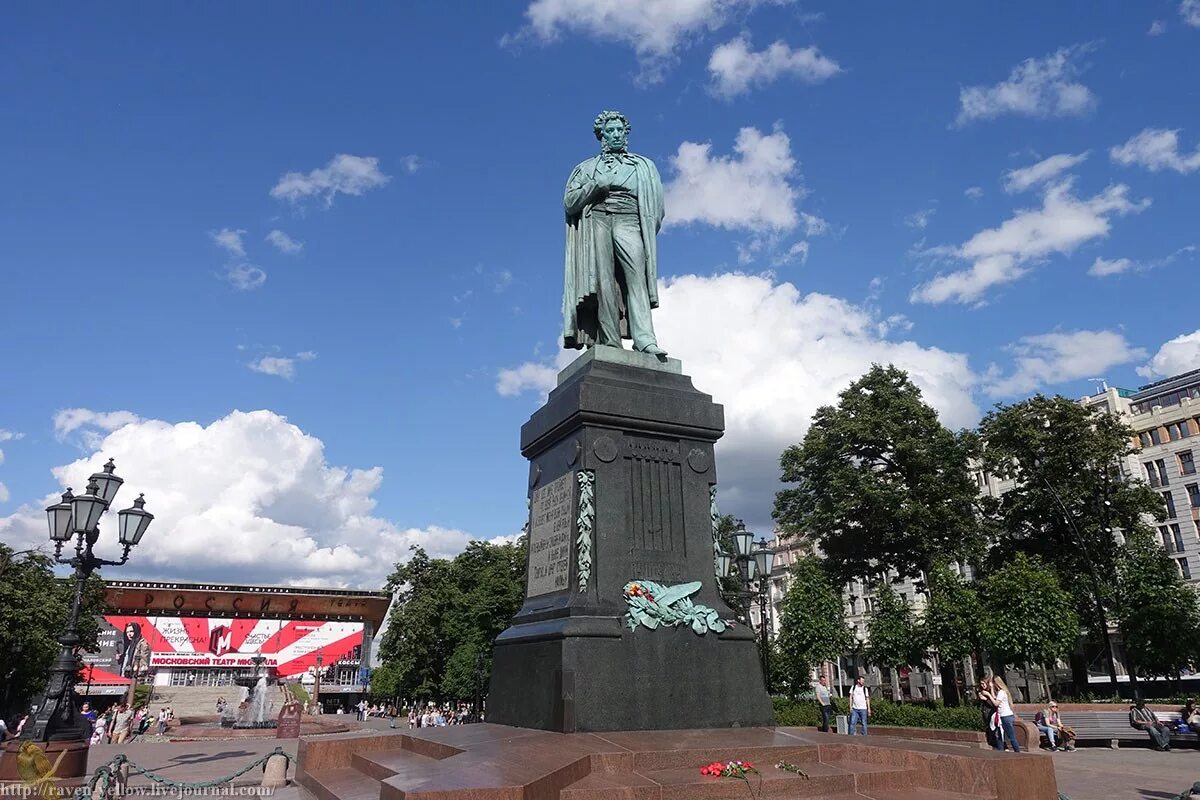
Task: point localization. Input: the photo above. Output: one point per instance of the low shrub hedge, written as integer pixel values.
(805, 713)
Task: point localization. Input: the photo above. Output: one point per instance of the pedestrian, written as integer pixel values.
(999, 697)
(1146, 720)
(87, 712)
(391, 712)
(825, 701)
(162, 721)
(20, 725)
(860, 705)
(991, 723)
(412, 718)
(121, 724)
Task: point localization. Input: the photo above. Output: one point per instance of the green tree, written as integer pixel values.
(812, 626)
(385, 683)
(880, 483)
(1157, 613)
(1029, 618)
(895, 638)
(34, 606)
(1069, 496)
(953, 624)
(446, 613)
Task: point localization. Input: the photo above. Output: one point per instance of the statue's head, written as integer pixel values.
(612, 129)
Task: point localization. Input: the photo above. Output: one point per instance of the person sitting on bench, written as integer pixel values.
(1144, 719)
(1049, 723)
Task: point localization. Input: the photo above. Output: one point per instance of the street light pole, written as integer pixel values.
(78, 517)
(753, 566)
(317, 685)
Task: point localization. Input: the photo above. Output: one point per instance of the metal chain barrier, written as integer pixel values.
(112, 771)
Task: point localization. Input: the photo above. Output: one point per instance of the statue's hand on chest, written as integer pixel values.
(613, 174)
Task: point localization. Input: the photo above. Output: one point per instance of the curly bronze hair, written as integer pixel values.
(607, 116)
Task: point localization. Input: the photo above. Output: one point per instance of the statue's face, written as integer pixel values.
(614, 136)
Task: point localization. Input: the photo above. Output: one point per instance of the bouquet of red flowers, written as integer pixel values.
(734, 769)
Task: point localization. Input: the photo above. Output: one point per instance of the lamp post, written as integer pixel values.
(78, 517)
(317, 685)
(752, 567)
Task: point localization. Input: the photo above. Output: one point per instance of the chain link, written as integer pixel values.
(105, 775)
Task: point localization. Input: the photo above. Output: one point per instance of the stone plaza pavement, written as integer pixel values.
(194, 762)
(1131, 773)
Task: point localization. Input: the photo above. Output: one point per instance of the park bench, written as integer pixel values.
(1112, 727)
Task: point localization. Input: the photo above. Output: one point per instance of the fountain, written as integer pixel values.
(256, 710)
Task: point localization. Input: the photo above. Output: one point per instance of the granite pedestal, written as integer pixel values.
(629, 436)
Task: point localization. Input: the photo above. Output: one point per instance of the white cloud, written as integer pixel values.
(797, 252)
(7, 436)
(973, 192)
(248, 498)
(280, 366)
(1037, 87)
(771, 355)
(4, 495)
(1157, 28)
(1018, 180)
(1190, 11)
(1053, 358)
(1181, 354)
(735, 68)
(1103, 266)
(656, 29)
(504, 279)
(344, 174)
(920, 219)
(752, 190)
(1156, 149)
(813, 225)
(537, 377)
(245, 277)
(89, 426)
(284, 243)
(1005, 253)
(230, 241)
(412, 163)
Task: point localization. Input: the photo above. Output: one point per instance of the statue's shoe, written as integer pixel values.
(654, 350)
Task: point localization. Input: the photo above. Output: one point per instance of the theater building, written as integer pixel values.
(202, 634)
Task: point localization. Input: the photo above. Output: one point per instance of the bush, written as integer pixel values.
(884, 712)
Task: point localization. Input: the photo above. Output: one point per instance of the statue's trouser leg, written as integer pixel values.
(631, 260)
(608, 292)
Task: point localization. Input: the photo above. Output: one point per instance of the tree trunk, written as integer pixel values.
(1046, 683)
(897, 696)
(1028, 691)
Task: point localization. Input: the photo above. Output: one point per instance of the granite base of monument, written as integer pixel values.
(494, 762)
(622, 483)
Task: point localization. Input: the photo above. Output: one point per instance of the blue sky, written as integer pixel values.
(350, 224)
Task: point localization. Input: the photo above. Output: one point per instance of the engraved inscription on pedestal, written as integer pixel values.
(551, 523)
(656, 493)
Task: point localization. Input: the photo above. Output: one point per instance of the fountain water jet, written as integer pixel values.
(256, 710)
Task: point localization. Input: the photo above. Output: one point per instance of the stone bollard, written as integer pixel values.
(275, 772)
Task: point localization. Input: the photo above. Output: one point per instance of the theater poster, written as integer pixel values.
(289, 646)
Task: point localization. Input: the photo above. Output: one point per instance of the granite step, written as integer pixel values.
(343, 783)
(821, 781)
(921, 794)
(384, 764)
(611, 786)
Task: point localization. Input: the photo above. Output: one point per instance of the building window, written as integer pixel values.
(1193, 491)
(1155, 436)
(1178, 537)
(1165, 534)
(1184, 569)
(1170, 505)
(1179, 430)
(1186, 465)
(1144, 438)
(1162, 471)
(1151, 473)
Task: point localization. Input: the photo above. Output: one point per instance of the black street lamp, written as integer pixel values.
(78, 517)
(752, 567)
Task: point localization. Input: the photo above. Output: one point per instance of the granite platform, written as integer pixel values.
(496, 762)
